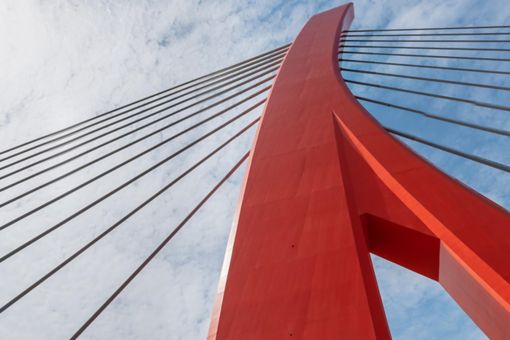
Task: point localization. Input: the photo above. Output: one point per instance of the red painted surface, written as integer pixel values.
(325, 186)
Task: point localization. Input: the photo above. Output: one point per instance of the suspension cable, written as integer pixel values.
(229, 68)
(33, 175)
(274, 66)
(433, 95)
(435, 80)
(157, 250)
(425, 34)
(424, 56)
(108, 194)
(234, 87)
(481, 160)
(463, 69)
(129, 215)
(427, 28)
(437, 117)
(430, 48)
(426, 40)
(204, 84)
(81, 167)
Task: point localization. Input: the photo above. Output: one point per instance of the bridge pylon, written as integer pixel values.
(326, 186)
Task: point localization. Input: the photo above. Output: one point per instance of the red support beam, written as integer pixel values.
(326, 185)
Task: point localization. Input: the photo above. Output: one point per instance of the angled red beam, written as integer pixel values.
(325, 186)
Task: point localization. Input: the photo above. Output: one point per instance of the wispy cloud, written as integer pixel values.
(63, 61)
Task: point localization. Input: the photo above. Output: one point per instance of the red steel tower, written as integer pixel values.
(325, 187)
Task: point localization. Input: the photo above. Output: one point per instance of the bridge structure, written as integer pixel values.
(326, 183)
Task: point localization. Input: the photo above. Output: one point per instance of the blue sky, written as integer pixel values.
(63, 61)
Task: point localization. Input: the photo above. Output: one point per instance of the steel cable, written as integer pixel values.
(127, 216)
(437, 117)
(108, 194)
(435, 80)
(425, 34)
(427, 28)
(426, 40)
(215, 73)
(430, 48)
(481, 160)
(435, 56)
(433, 95)
(241, 77)
(448, 68)
(157, 250)
(110, 153)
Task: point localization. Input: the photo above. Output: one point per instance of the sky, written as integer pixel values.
(65, 61)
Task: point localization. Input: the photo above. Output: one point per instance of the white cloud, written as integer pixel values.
(63, 61)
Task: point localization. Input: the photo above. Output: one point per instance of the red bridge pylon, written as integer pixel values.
(325, 187)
